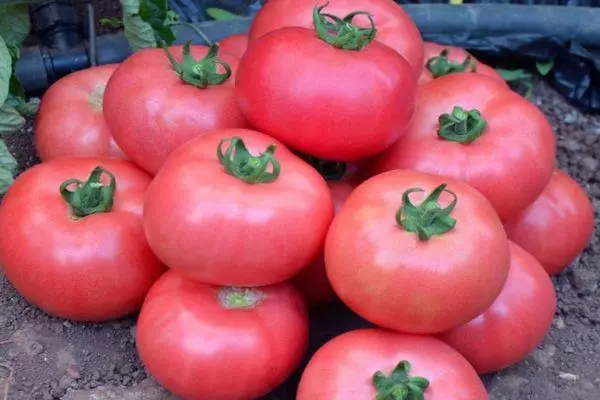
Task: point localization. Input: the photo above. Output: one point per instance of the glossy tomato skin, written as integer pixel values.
(223, 231)
(515, 324)
(289, 86)
(151, 111)
(343, 368)
(558, 226)
(235, 45)
(198, 349)
(457, 55)
(510, 163)
(312, 280)
(446, 281)
(70, 121)
(96, 268)
(395, 28)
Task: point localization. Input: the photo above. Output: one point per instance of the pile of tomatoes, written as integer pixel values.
(328, 154)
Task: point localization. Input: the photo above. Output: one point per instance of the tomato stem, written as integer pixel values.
(441, 66)
(340, 33)
(428, 218)
(89, 197)
(461, 126)
(200, 73)
(238, 162)
(398, 385)
(240, 298)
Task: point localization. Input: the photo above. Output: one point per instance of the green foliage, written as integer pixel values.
(147, 23)
(220, 15)
(544, 68)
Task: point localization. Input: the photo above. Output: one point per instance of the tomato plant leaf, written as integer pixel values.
(10, 120)
(8, 164)
(130, 6)
(544, 68)
(156, 13)
(28, 109)
(14, 23)
(111, 22)
(219, 14)
(5, 70)
(138, 32)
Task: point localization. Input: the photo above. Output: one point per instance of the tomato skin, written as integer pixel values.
(184, 334)
(312, 280)
(70, 123)
(515, 324)
(457, 55)
(558, 226)
(235, 45)
(223, 231)
(93, 269)
(343, 368)
(395, 28)
(368, 256)
(151, 111)
(285, 73)
(510, 163)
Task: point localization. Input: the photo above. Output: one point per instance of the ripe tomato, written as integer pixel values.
(70, 120)
(151, 110)
(289, 86)
(395, 28)
(558, 226)
(82, 255)
(312, 281)
(473, 128)
(235, 45)
(439, 263)
(442, 60)
(359, 365)
(230, 221)
(206, 342)
(515, 324)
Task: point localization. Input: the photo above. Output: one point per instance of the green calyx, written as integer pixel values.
(441, 66)
(461, 126)
(237, 161)
(340, 33)
(89, 197)
(240, 298)
(200, 73)
(428, 218)
(399, 385)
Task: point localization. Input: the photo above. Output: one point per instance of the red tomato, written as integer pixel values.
(204, 221)
(515, 324)
(235, 45)
(206, 342)
(312, 281)
(395, 28)
(558, 226)
(151, 110)
(289, 86)
(70, 120)
(399, 255)
(88, 268)
(440, 59)
(510, 162)
(352, 365)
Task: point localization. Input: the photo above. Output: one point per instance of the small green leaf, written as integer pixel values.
(130, 6)
(512, 75)
(111, 22)
(14, 23)
(139, 33)
(10, 120)
(29, 109)
(544, 68)
(219, 14)
(156, 13)
(5, 70)
(8, 164)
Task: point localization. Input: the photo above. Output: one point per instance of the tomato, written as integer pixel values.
(416, 253)
(70, 120)
(207, 342)
(489, 137)
(289, 85)
(515, 324)
(442, 60)
(78, 252)
(395, 28)
(358, 365)
(151, 110)
(312, 280)
(558, 226)
(254, 217)
(235, 45)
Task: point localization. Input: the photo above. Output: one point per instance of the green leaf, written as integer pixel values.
(111, 22)
(138, 32)
(156, 13)
(544, 68)
(219, 14)
(8, 164)
(10, 120)
(130, 6)
(14, 23)
(5, 70)
(512, 75)
(29, 109)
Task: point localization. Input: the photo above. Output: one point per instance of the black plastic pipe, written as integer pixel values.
(464, 22)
